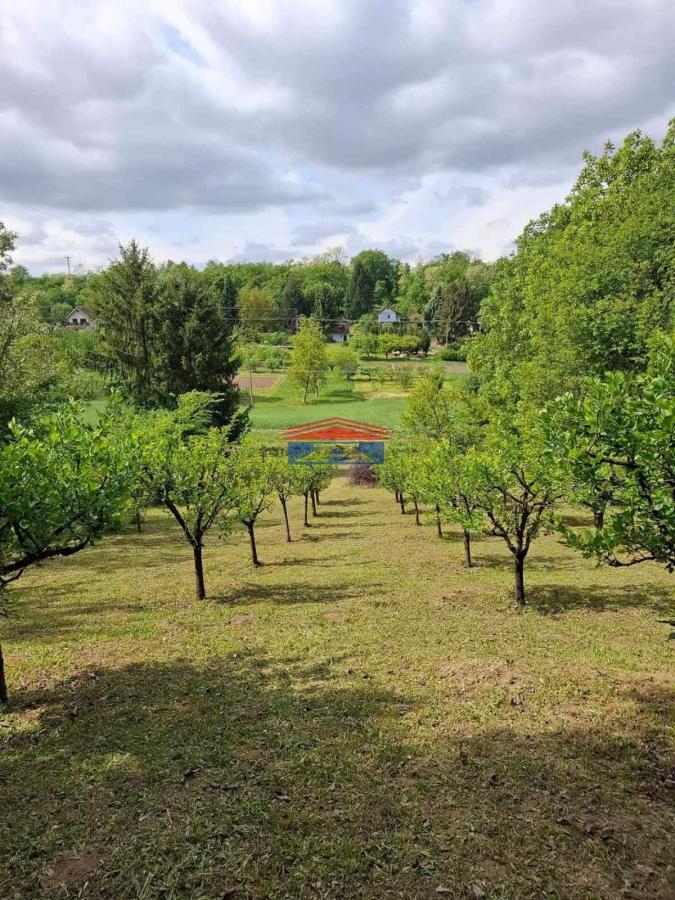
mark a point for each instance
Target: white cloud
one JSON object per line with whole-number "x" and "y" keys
{"x": 288, "y": 123}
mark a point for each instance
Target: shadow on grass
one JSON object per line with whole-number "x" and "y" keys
{"x": 563, "y": 598}
{"x": 356, "y": 501}
{"x": 243, "y": 776}
{"x": 288, "y": 594}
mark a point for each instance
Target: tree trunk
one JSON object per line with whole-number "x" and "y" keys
{"x": 313, "y": 503}
{"x": 138, "y": 521}
{"x": 468, "y": 562}
{"x": 306, "y": 508}
{"x": 288, "y": 527}
{"x": 397, "y": 496}
{"x": 304, "y": 397}
{"x": 439, "y": 529}
{"x": 599, "y": 518}
{"x": 4, "y": 699}
{"x": 318, "y": 498}
{"x": 401, "y": 500}
{"x": 417, "y": 512}
{"x": 200, "y": 590}
{"x": 519, "y": 569}
{"x": 254, "y": 549}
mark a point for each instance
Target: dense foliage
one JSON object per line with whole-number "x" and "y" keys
{"x": 63, "y": 483}
{"x": 616, "y": 442}
{"x": 591, "y": 281}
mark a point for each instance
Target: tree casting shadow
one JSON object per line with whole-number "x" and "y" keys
{"x": 244, "y": 776}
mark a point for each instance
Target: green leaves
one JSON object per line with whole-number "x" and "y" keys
{"x": 590, "y": 282}
{"x": 63, "y": 483}
{"x": 309, "y": 360}
{"x": 618, "y": 441}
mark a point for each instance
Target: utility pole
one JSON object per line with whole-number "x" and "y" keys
{"x": 68, "y": 262}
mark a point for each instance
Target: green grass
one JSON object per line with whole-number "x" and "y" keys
{"x": 362, "y": 717}
{"x": 364, "y": 401}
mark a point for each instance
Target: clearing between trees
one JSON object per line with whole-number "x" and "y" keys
{"x": 361, "y": 716}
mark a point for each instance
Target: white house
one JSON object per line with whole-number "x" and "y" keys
{"x": 80, "y": 319}
{"x": 389, "y": 316}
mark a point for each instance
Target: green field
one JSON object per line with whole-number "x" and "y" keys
{"x": 365, "y": 400}
{"x": 283, "y": 405}
{"x": 362, "y": 717}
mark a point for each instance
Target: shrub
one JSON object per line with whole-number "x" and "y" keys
{"x": 452, "y": 353}
{"x": 363, "y": 474}
{"x": 275, "y": 338}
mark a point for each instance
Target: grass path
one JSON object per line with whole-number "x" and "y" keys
{"x": 360, "y": 718}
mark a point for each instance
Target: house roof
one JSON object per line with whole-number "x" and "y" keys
{"x": 83, "y": 309}
{"x": 336, "y": 429}
{"x": 342, "y": 323}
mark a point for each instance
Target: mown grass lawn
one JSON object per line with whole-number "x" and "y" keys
{"x": 365, "y": 401}
{"x": 361, "y": 717}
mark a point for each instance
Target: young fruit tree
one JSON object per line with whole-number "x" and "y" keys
{"x": 190, "y": 475}
{"x": 309, "y": 360}
{"x": 286, "y": 481}
{"x": 252, "y": 488}
{"x": 509, "y": 482}
{"x": 63, "y": 483}
{"x": 321, "y": 476}
{"x": 413, "y": 481}
{"x": 391, "y": 474}
{"x": 446, "y": 483}
{"x": 618, "y": 440}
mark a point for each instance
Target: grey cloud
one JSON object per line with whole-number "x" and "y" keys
{"x": 312, "y": 232}
{"x": 363, "y": 102}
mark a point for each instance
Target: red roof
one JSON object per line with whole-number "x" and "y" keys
{"x": 336, "y": 429}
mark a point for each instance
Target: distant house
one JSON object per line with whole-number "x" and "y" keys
{"x": 80, "y": 319}
{"x": 340, "y": 330}
{"x": 389, "y": 316}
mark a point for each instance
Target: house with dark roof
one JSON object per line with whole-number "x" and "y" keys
{"x": 80, "y": 319}
{"x": 340, "y": 330}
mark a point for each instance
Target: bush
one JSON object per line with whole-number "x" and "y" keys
{"x": 452, "y": 353}
{"x": 405, "y": 376}
{"x": 275, "y": 338}
{"x": 363, "y": 474}
{"x": 83, "y": 384}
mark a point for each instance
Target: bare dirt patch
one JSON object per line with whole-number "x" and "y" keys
{"x": 74, "y": 868}
{"x": 334, "y": 616}
{"x": 244, "y": 619}
{"x": 260, "y": 382}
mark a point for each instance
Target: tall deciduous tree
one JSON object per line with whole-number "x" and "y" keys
{"x": 27, "y": 370}
{"x": 257, "y": 310}
{"x": 617, "y": 440}
{"x": 590, "y": 282}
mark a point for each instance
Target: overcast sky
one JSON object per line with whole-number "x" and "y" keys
{"x": 262, "y": 129}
